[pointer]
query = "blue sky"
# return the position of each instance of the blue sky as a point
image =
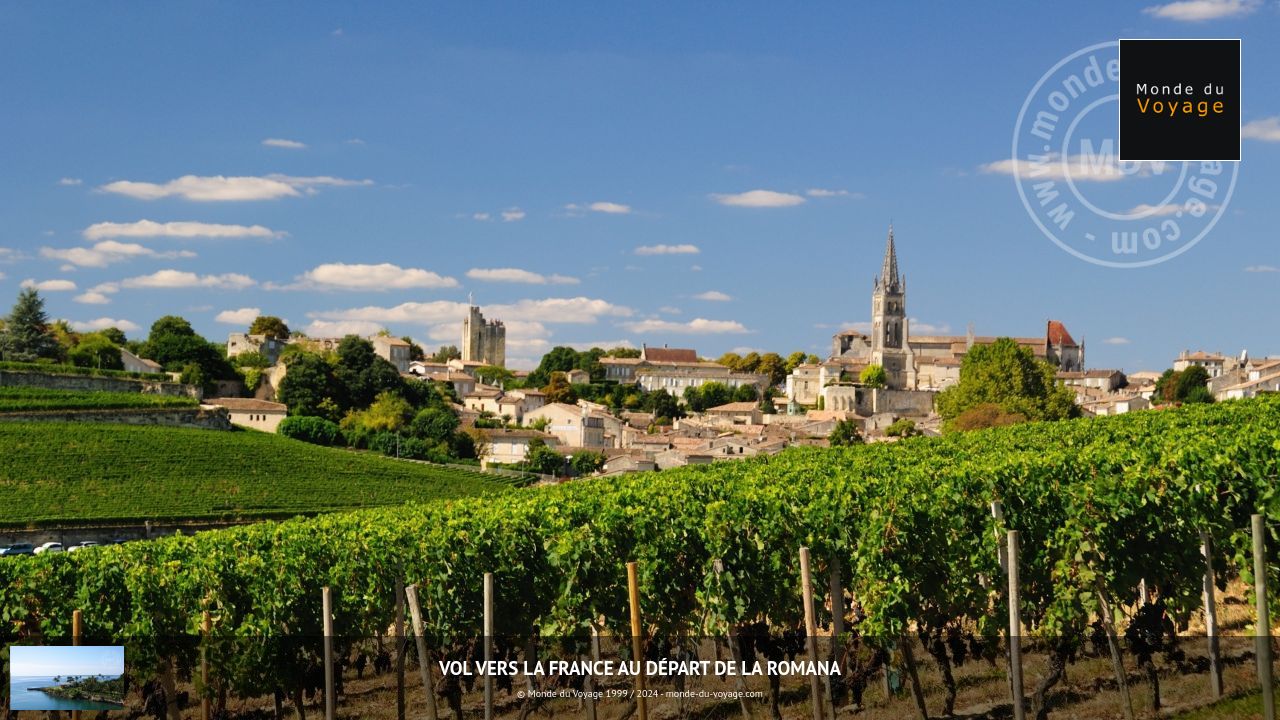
(47, 661)
(583, 171)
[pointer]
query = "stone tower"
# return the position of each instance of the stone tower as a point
(889, 347)
(483, 340)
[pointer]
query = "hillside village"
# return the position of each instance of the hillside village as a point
(606, 411)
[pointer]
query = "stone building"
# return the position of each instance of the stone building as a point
(483, 340)
(911, 362)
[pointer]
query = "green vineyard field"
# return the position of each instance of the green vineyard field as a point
(68, 473)
(1101, 505)
(26, 399)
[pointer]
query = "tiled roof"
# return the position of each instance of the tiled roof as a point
(1058, 334)
(247, 404)
(663, 354)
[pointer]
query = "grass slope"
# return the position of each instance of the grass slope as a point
(66, 473)
(25, 399)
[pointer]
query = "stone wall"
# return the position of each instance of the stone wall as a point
(204, 417)
(902, 402)
(104, 533)
(89, 383)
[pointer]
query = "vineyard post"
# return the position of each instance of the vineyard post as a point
(909, 659)
(739, 684)
(1015, 628)
(1104, 614)
(590, 680)
(77, 634)
(1002, 556)
(206, 627)
(400, 648)
(424, 658)
(326, 605)
(1264, 619)
(811, 632)
(488, 645)
(637, 641)
(1211, 615)
(836, 593)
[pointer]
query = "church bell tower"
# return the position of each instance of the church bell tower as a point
(889, 348)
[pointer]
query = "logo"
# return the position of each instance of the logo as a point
(1067, 168)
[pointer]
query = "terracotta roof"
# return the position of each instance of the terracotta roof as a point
(247, 404)
(1058, 334)
(1201, 355)
(506, 433)
(663, 354)
(734, 407)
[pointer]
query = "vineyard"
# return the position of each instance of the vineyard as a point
(76, 370)
(26, 399)
(1102, 506)
(63, 473)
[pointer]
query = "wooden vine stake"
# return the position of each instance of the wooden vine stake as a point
(1114, 644)
(637, 639)
(1264, 619)
(1211, 616)
(739, 684)
(77, 634)
(1015, 627)
(811, 633)
(836, 595)
(206, 628)
(424, 657)
(400, 648)
(488, 645)
(330, 700)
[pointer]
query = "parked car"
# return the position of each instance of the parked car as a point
(82, 545)
(49, 547)
(18, 549)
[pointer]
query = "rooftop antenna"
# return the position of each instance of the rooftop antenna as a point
(470, 299)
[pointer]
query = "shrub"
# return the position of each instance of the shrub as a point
(902, 428)
(314, 430)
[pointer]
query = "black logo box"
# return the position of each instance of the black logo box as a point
(1186, 68)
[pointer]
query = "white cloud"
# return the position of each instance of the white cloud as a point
(92, 297)
(49, 285)
(219, 188)
(384, 276)
(341, 328)
(179, 279)
(354, 141)
(243, 316)
(915, 326)
(1267, 129)
(283, 143)
(2, 276)
(758, 199)
(697, 326)
(150, 228)
(825, 193)
(512, 214)
(107, 252)
(481, 216)
(667, 250)
(575, 310)
(670, 310)
(1162, 210)
(610, 207)
(1116, 341)
(103, 323)
(516, 275)
(1262, 269)
(1080, 168)
(603, 344)
(70, 181)
(9, 255)
(713, 296)
(1197, 10)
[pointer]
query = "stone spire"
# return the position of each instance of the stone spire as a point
(889, 279)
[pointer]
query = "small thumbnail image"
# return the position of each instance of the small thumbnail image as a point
(89, 677)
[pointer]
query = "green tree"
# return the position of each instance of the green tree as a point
(493, 375)
(795, 360)
(774, 366)
(1192, 386)
(558, 390)
(663, 405)
(364, 374)
(416, 353)
(845, 433)
(1010, 377)
(745, 393)
(311, 388)
(269, 325)
(445, 354)
(388, 413)
(560, 359)
(175, 345)
(434, 423)
(95, 350)
(586, 462)
(115, 335)
(902, 427)
(709, 395)
(542, 459)
(27, 335)
(873, 376)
